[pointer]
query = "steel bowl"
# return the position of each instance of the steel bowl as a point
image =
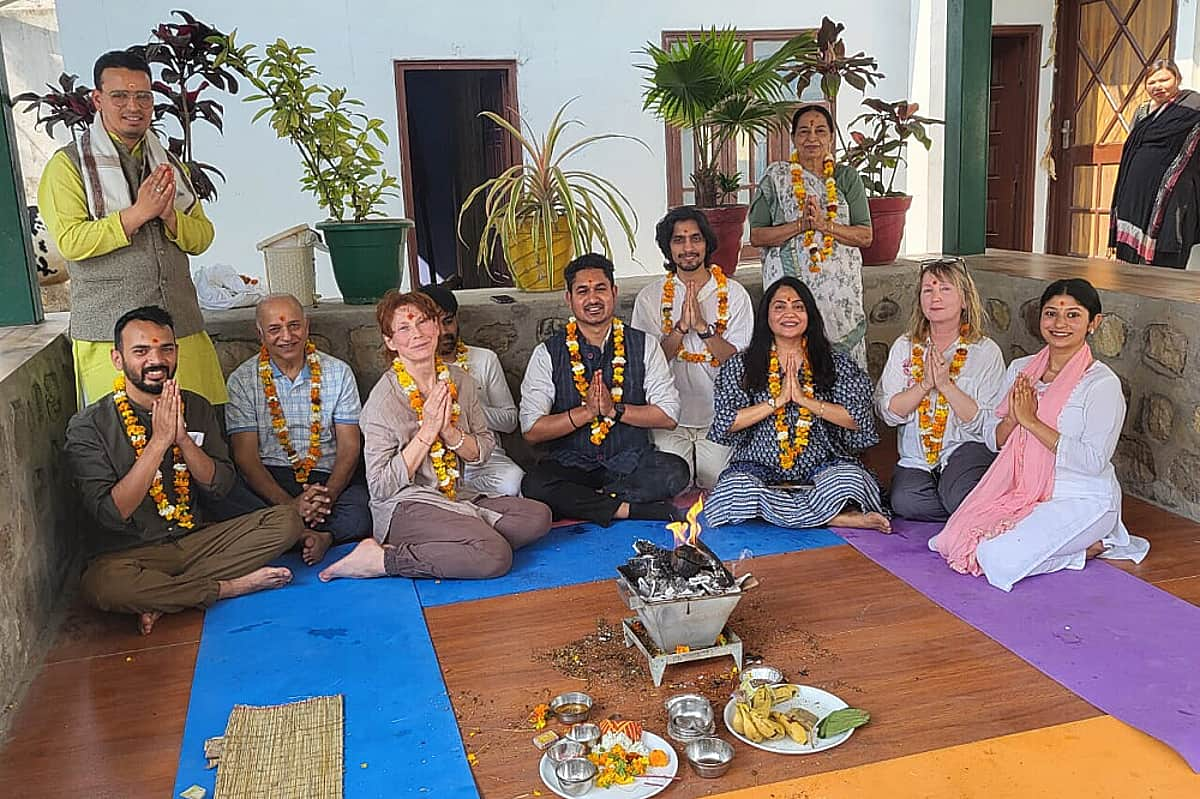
(709, 757)
(575, 776)
(564, 749)
(586, 734)
(762, 675)
(566, 707)
(683, 729)
(691, 705)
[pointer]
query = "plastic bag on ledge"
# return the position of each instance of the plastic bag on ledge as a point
(220, 287)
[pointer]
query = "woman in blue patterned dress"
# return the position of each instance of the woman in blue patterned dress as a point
(796, 413)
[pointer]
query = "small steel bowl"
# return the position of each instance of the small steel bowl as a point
(709, 757)
(575, 776)
(693, 705)
(762, 675)
(562, 706)
(586, 734)
(564, 749)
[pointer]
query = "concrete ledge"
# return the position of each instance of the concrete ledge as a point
(40, 542)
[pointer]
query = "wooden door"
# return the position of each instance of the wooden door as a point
(1011, 137)
(1103, 49)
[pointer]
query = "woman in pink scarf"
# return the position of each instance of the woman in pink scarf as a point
(1051, 498)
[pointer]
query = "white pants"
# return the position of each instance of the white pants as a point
(705, 459)
(499, 475)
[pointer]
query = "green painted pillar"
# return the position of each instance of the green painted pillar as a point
(20, 300)
(968, 85)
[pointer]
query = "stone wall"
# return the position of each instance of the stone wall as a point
(39, 536)
(1145, 340)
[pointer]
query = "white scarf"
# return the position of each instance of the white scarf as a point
(104, 181)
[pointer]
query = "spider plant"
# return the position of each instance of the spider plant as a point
(530, 200)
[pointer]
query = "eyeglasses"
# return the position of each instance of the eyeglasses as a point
(944, 263)
(143, 99)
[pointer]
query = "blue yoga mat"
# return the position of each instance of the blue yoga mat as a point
(582, 553)
(364, 639)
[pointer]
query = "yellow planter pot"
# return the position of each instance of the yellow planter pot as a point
(533, 269)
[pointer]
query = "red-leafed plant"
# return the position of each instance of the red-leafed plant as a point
(186, 54)
(68, 104)
(878, 153)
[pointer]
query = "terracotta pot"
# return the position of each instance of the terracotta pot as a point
(729, 223)
(887, 220)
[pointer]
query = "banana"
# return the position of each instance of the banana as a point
(748, 726)
(768, 728)
(761, 700)
(737, 719)
(782, 693)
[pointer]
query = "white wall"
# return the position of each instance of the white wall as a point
(562, 49)
(31, 60)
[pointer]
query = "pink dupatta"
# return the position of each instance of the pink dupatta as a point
(1021, 476)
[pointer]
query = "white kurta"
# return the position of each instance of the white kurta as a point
(500, 474)
(981, 378)
(1085, 506)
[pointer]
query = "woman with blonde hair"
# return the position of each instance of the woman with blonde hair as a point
(942, 380)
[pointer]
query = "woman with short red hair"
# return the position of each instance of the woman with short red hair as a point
(422, 422)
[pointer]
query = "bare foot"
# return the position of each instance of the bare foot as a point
(364, 561)
(862, 521)
(313, 546)
(1094, 550)
(146, 621)
(257, 580)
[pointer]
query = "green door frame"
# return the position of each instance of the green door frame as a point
(968, 86)
(20, 298)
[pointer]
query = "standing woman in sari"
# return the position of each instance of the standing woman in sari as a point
(810, 217)
(1051, 499)
(1155, 215)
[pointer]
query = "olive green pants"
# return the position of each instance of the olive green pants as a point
(184, 573)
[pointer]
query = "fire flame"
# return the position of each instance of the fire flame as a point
(688, 532)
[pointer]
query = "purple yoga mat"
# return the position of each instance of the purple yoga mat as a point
(1128, 648)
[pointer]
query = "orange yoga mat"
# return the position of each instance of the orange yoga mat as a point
(1092, 759)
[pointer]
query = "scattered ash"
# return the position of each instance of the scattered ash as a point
(597, 657)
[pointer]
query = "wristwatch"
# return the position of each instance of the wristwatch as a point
(618, 411)
(709, 332)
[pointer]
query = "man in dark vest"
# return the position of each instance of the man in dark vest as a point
(591, 394)
(123, 212)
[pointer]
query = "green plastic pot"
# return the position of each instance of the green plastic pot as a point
(367, 256)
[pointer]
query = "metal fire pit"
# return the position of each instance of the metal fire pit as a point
(694, 622)
(660, 660)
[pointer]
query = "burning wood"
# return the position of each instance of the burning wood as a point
(691, 570)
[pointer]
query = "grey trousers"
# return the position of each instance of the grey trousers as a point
(932, 496)
(425, 540)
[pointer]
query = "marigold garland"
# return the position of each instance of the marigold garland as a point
(182, 479)
(933, 427)
(460, 357)
(668, 307)
(301, 467)
(816, 254)
(791, 446)
(600, 425)
(445, 462)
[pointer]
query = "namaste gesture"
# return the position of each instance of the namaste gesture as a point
(599, 399)
(790, 390)
(1023, 402)
(938, 372)
(167, 412)
(691, 316)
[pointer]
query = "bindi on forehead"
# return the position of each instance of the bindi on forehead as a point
(153, 341)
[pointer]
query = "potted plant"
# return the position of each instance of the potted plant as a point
(877, 154)
(705, 84)
(543, 213)
(69, 104)
(183, 52)
(830, 62)
(342, 164)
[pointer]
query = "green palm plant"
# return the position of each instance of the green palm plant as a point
(528, 202)
(704, 84)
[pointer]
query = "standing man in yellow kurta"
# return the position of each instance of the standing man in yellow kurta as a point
(125, 215)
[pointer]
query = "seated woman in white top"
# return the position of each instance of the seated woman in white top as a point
(1056, 433)
(942, 380)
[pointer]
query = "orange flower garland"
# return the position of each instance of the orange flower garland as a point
(791, 446)
(600, 425)
(445, 462)
(816, 255)
(933, 427)
(182, 479)
(460, 357)
(668, 307)
(279, 425)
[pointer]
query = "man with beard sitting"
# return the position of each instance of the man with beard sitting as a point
(146, 459)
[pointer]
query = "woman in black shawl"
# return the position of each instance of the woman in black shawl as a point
(1156, 203)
